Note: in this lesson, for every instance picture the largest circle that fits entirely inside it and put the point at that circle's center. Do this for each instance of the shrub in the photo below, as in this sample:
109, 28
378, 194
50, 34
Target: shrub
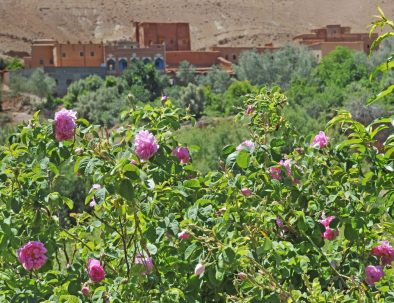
193, 99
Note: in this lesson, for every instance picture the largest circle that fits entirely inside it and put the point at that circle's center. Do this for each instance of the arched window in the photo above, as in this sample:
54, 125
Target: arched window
134, 60
111, 64
122, 64
159, 63
146, 60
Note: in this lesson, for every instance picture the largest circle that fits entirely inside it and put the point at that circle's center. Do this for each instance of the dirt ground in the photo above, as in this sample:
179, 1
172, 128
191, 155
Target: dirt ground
213, 22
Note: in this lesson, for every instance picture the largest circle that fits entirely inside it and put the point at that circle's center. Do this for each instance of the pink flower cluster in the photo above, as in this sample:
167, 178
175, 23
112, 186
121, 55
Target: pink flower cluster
65, 124
95, 270
320, 140
246, 145
147, 262
145, 145
182, 153
329, 234
385, 252
276, 170
32, 255
373, 274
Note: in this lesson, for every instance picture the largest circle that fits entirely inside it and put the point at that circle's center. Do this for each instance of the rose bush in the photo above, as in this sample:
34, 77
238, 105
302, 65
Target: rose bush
281, 221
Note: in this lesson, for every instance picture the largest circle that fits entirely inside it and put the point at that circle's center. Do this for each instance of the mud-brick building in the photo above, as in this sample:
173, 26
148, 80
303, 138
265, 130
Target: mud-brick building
120, 54
175, 36
324, 40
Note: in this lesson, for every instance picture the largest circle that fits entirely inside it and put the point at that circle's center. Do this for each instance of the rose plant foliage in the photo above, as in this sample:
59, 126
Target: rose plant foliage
285, 218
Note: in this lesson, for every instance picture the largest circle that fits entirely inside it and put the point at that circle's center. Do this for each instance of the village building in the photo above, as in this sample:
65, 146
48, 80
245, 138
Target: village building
165, 45
324, 40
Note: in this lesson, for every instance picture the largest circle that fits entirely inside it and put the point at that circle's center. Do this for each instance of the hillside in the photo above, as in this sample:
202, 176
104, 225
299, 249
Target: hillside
213, 22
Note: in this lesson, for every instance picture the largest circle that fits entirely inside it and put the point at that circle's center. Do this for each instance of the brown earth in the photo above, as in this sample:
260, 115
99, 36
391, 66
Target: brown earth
213, 22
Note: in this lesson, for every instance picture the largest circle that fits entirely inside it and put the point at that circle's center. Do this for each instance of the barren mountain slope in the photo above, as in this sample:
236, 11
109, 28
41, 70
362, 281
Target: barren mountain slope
213, 22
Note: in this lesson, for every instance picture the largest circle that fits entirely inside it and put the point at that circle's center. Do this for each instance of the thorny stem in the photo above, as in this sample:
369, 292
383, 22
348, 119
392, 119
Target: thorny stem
320, 251
123, 236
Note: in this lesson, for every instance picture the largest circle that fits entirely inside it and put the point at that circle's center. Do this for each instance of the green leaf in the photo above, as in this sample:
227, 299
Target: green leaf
68, 202
69, 299
192, 183
381, 95
243, 159
350, 233
125, 189
189, 250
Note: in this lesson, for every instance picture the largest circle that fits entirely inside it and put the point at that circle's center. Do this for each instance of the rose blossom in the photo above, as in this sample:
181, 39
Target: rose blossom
373, 274
182, 153
246, 192
276, 171
65, 124
92, 203
199, 270
249, 110
78, 150
85, 291
145, 145
184, 234
32, 255
320, 140
329, 233
385, 251
246, 145
95, 270
147, 262
164, 98
279, 222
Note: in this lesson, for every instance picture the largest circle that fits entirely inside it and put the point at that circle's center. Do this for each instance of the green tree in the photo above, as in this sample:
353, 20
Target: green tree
279, 67
38, 84
186, 73
235, 95
193, 99
217, 79
146, 76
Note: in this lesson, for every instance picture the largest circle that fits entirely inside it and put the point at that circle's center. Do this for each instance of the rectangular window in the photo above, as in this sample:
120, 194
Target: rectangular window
64, 55
92, 54
51, 61
41, 61
81, 54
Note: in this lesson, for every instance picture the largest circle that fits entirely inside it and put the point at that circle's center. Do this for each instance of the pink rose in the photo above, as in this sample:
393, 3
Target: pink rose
373, 274
164, 98
145, 145
246, 192
65, 124
184, 234
329, 233
320, 140
32, 255
92, 203
85, 291
249, 110
246, 145
199, 270
276, 171
147, 262
385, 251
95, 270
182, 153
